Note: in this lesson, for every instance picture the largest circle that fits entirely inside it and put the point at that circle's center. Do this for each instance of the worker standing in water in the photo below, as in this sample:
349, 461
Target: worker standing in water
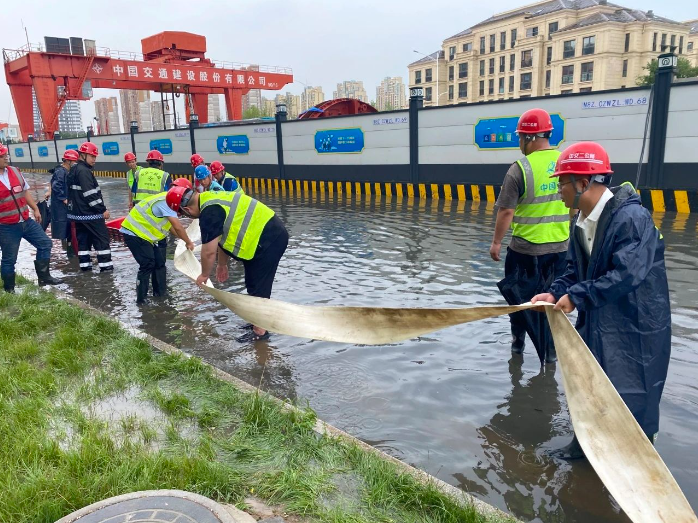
58, 193
205, 181
233, 225
131, 177
146, 225
530, 204
225, 179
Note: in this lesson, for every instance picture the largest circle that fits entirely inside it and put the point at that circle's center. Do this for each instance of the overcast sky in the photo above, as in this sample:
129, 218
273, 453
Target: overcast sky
323, 41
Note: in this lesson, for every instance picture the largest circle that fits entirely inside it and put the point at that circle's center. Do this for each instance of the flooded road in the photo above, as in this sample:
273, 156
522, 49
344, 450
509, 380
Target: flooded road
455, 403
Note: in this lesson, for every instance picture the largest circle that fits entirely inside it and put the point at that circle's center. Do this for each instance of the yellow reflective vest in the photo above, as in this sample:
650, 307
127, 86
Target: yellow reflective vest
151, 181
143, 223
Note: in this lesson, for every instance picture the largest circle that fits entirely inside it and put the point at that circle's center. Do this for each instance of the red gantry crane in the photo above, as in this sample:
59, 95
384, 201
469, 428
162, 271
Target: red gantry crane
172, 62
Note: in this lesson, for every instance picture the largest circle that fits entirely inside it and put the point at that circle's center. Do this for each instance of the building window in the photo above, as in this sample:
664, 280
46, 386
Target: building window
427, 94
585, 89
511, 84
673, 42
482, 45
418, 77
427, 75
552, 27
450, 92
627, 42
549, 56
463, 90
588, 45
491, 65
493, 40
451, 52
463, 70
566, 91
526, 81
482, 68
681, 45
567, 74
450, 73
501, 85
532, 31
527, 58
587, 72
467, 47
663, 48
625, 68
689, 46
502, 64
502, 40
547, 79
482, 88
512, 62
491, 86
568, 48
513, 38
654, 42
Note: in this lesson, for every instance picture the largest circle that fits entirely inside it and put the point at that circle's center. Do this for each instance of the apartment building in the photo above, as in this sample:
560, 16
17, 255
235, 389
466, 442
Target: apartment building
551, 47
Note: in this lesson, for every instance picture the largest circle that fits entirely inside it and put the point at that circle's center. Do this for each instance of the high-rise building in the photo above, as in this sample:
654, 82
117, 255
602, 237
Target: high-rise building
157, 119
293, 104
390, 94
268, 107
131, 103
69, 119
351, 89
107, 111
214, 108
550, 47
146, 118
311, 97
252, 99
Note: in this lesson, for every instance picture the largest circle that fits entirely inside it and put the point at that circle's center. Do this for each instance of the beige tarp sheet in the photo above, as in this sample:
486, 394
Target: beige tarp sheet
614, 443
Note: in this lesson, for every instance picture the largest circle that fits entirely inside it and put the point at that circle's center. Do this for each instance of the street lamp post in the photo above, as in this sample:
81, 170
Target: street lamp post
438, 55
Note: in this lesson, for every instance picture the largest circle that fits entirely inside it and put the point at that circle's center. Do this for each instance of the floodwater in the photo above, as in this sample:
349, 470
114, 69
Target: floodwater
455, 403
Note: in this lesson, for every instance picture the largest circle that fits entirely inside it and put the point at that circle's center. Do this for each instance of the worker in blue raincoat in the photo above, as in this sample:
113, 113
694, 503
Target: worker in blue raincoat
616, 279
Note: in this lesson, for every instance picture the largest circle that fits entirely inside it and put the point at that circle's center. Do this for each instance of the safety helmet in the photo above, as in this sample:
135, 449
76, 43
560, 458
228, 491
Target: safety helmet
196, 159
584, 159
155, 155
71, 155
182, 182
202, 172
178, 197
534, 121
3, 150
217, 167
129, 156
89, 148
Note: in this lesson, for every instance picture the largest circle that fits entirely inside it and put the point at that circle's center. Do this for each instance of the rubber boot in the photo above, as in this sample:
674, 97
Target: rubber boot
518, 342
142, 289
160, 282
8, 283
551, 356
569, 452
42, 271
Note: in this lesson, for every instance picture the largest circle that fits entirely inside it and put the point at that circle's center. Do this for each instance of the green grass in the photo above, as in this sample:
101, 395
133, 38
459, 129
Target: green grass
60, 450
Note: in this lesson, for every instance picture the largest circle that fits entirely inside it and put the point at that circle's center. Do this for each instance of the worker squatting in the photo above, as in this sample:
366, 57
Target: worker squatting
576, 242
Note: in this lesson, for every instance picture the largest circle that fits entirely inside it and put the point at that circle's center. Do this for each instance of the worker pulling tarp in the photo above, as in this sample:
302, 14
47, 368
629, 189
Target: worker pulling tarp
615, 445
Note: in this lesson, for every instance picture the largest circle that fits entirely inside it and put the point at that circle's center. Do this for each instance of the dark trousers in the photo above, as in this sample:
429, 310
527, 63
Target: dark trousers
151, 261
93, 233
261, 270
542, 264
60, 227
11, 236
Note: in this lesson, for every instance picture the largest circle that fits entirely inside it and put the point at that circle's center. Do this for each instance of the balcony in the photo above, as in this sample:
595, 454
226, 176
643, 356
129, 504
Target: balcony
587, 77
567, 79
526, 63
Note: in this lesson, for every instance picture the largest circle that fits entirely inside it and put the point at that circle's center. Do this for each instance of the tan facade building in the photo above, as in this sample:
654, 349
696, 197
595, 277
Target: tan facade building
390, 94
214, 108
132, 104
107, 112
551, 47
310, 97
351, 89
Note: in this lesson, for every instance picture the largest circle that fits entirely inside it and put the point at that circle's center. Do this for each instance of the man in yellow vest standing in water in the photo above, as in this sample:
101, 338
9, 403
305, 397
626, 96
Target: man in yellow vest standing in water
147, 224
233, 225
131, 176
529, 202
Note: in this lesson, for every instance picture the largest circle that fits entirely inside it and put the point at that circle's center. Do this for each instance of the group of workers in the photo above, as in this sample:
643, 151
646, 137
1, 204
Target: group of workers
595, 246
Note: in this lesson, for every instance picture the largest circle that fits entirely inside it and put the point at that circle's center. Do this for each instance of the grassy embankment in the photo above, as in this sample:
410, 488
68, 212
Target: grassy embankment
68, 378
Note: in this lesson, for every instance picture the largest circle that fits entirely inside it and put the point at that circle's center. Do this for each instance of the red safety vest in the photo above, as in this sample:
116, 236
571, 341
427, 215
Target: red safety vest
13, 201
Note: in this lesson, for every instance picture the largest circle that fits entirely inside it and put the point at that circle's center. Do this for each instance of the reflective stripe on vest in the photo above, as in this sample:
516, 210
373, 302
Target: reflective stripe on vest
231, 177
143, 223
540, 215
132, 176
9, 211
151, 181
245, 219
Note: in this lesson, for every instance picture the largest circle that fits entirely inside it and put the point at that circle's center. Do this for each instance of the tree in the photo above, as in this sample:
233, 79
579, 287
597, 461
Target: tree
684, 69
252, 112
388, 106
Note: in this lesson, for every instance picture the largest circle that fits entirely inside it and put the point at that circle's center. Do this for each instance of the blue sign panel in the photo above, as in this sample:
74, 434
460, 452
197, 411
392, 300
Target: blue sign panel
110, 148
43, 150
70, 146
500, 133
19, 152
164, 145
238, 144
339, 140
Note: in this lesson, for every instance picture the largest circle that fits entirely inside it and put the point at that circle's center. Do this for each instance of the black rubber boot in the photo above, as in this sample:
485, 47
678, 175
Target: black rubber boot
142, 285
518, 342
42, 271
569, 452
551, 356
8, 283
160, 282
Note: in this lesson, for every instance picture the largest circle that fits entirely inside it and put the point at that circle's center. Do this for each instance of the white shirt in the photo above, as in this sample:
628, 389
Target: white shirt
5, 179
588, 224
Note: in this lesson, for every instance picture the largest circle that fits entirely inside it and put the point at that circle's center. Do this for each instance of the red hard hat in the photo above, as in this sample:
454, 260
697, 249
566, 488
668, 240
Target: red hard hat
534, 121
583, 159
72, 155
129, 156
3, 150
217, 167
178, 197
197, 159
155, 155
182, 182
89, 148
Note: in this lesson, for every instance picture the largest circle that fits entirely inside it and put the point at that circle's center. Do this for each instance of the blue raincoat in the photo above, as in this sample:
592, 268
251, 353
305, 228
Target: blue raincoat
622, 296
